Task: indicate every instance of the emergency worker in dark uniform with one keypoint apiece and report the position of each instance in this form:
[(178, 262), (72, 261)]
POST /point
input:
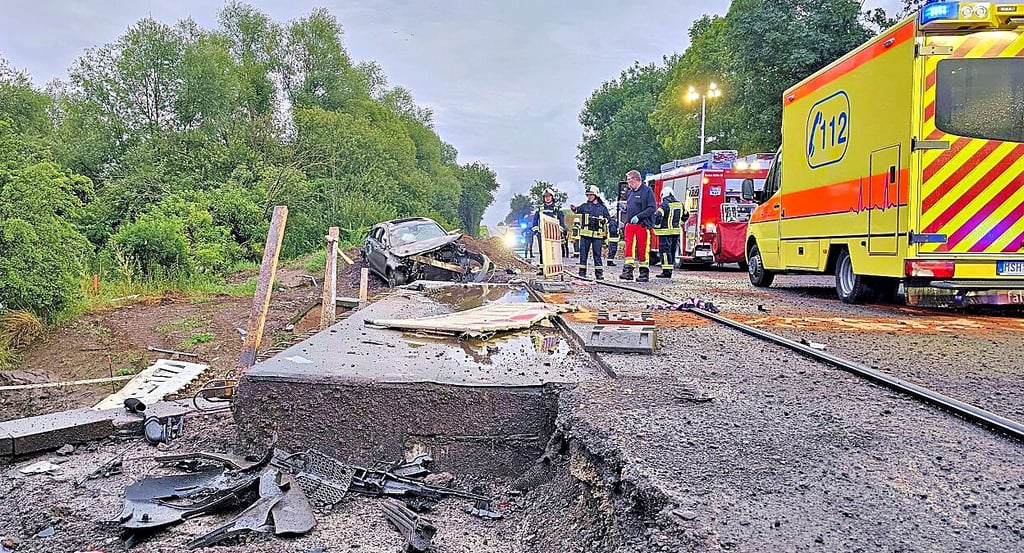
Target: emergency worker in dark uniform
[(668, 223), (639, 208), (593, 220), (551, 209), (614, 235)]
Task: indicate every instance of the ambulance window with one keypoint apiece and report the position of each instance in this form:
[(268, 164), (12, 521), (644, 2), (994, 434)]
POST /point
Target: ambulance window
[(981, 98), (771, 183)]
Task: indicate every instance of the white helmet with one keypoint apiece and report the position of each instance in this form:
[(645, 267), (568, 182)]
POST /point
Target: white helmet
[(667, 191), (593, 190)]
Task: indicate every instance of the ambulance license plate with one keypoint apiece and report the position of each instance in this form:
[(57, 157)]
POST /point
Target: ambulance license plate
[(1015, 297), (1010, 268)]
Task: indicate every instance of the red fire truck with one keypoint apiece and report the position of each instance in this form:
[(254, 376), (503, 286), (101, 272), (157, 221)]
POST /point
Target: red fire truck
[(710, 187)]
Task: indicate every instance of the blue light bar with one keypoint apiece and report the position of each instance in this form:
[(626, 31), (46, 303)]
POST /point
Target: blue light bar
[(939, 10)]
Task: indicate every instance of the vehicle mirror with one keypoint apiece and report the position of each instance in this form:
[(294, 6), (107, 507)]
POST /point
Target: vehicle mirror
[(748, 189)]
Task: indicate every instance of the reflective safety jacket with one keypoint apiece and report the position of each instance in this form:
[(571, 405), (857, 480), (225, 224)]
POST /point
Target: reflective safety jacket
[(593, 219), (669, 217), (613, 231), (551, 210)]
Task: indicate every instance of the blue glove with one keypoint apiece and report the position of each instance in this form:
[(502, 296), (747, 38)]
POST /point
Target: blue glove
[(634, 220)]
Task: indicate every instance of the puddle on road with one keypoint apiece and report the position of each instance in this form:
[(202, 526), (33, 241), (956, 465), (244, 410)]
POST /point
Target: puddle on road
[(461, 298)]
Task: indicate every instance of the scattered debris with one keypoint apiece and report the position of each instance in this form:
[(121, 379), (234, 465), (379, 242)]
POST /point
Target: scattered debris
[(162, 378), (622, 318), (691, 303), (39, 467), (109, 468), (47, 532), (418, 531), (277, 492), (761, 308), (134, 406), (815, 345), (159, 430), (685, 515), (171, 352), (482, 508), (622, 339), (550, 286), (475, 322), (65, 450)]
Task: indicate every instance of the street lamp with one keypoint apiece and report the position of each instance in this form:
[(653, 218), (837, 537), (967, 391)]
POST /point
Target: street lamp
[(692, 95)]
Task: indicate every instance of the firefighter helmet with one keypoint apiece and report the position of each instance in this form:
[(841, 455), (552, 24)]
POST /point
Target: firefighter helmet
[(549, 192), (667, 191), (593, 190)]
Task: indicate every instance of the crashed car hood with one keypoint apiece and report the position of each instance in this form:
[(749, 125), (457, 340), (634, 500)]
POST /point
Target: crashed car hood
[(424, 246)]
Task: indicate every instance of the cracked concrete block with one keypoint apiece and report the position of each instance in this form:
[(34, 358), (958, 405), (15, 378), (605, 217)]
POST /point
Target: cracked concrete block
[(34, 434), (6, 444), (622, 339)]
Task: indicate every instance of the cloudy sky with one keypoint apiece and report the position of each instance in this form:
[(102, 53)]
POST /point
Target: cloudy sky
[(506, 78)]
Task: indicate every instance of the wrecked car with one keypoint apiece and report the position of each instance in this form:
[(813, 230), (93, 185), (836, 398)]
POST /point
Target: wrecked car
[(417, 248)]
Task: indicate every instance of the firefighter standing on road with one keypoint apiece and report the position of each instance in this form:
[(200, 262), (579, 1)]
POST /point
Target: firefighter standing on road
[(593, 221), (614, 235), (551, 209), (639, 208), (668, 222)]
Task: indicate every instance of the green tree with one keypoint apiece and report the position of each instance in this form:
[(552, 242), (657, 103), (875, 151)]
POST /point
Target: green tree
[(617, 133), (518, 207), (478, 185)]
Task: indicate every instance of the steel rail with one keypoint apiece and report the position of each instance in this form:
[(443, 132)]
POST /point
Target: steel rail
[(573, 338), (970, 412)]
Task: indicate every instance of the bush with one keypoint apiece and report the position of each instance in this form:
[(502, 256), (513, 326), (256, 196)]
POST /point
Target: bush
[(155, 243)]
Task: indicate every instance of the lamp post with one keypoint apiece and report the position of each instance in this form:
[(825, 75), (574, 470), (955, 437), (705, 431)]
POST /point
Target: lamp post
[(692, 95)]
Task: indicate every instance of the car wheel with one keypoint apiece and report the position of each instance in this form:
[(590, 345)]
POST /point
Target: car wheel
[(851, 287), (400, 276), (389, 277), (759, 276)]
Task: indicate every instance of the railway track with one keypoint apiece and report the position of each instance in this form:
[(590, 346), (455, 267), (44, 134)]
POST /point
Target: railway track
[(967, 411)]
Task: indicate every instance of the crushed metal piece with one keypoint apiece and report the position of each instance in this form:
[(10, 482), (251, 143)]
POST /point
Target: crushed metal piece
[(163, 430), (236, 462), (413, 468), (417, 530), (108, 468), (292, 515), (252, 519)]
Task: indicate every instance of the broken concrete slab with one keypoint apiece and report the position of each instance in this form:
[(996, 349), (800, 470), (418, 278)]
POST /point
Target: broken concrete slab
[(551, 286), (622, 339), (46, 432)]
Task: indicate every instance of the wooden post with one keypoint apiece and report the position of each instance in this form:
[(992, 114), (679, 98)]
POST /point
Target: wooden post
[(328, 307), (264, 288), (364, 283)]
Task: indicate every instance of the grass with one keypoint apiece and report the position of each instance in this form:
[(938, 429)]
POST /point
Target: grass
[(17, 329), (191, 322), (196, 339)]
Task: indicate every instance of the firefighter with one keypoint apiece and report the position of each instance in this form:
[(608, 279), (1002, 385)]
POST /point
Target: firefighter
[(614, 235), (639, 208), (668, 223), (527, 232), (551, 209), (576, 227), (593, 220)]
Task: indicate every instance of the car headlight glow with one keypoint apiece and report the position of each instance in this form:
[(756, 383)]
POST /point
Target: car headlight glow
[(510, 240)]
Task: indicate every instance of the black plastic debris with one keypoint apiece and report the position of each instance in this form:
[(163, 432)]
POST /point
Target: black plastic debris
[(162, 431), (482, 507), (418, 531)]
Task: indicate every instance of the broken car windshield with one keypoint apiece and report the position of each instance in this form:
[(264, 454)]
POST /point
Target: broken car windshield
[(416, 233)]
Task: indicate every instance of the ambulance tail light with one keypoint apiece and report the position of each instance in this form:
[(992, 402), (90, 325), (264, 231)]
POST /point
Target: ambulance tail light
[(930, 269), (710, 228)]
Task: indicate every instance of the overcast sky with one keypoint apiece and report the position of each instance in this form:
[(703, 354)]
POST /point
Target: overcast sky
[(506, 78)]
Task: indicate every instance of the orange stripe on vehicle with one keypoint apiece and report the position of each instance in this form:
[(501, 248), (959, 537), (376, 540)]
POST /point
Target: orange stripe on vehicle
[(964, 200), (955, 148), (929, 81), (876, 49), (844, 197), (959, 175), (966, 47)]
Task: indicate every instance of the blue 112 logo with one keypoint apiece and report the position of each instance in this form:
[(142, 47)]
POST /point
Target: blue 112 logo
[(828, 130)]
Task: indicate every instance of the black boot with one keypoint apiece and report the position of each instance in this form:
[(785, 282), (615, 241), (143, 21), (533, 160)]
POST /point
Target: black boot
[(645, 275), (665, 273), (627, 273), (599, 274), (583, 272), (611, 263)]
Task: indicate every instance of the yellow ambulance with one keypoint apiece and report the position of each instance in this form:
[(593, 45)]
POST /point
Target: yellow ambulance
[(903, 162)]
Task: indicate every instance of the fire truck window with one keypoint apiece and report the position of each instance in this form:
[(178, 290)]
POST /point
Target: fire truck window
[(981, 98)]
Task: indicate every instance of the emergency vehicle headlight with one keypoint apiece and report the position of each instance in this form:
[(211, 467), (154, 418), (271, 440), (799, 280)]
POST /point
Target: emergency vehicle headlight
[(981, 12), (967, 12), (510, 240), (710, 228), (940, 10)]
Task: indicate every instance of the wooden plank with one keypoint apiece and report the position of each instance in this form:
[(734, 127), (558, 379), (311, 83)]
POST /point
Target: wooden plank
[(364, 283), (104, 380), (328, 312), (264, 288)]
